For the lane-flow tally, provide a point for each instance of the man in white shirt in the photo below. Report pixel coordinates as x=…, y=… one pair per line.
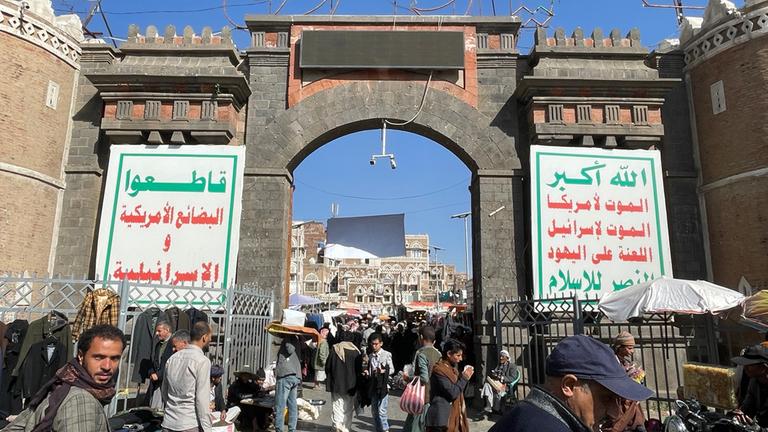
x=187, y=385
x=380, y=367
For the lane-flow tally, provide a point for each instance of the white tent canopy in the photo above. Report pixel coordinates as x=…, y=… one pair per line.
x=668, y=295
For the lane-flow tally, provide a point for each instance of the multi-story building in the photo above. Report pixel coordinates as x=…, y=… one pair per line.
x=373, y=284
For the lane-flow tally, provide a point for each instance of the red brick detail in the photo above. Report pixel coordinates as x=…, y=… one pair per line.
x=494, y=41
x=468, y=93
x=137, y=111
x=166, y=111
x=110, y=110
x=625, y=115
x=597, y=114
x=654, y=115
x=569, y=114
x=270, y=40
x=194, y=111
x=539, y=115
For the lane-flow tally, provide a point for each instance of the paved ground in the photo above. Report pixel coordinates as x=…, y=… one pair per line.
x=365, y=421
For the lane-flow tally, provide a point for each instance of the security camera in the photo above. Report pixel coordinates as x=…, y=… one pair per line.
x=372, y=162
x=392, y=163
x=25, y=5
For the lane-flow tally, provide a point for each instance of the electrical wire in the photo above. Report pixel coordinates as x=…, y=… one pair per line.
x=228, y=18
x=369, y=198
x=279, y=8
x=106, y=24
x=432, y=9
x=146, y=12
x=319, y=5
x=463, y=203
x=421, y=106
x=469, y=7
x=333, y=10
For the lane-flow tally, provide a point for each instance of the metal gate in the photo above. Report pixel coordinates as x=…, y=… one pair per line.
x=238, y=318
x=529, y=330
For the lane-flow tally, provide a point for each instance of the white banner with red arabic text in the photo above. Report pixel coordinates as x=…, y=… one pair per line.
x=598, y=218
x=171, y=216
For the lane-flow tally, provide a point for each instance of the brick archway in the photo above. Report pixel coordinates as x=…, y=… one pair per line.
x=278, y=148
x=356, y=106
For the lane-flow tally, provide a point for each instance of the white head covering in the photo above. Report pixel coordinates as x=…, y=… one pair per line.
x=505, y=353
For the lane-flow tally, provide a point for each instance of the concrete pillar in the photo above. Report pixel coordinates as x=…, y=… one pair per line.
x=264, y=233
x=498, y=238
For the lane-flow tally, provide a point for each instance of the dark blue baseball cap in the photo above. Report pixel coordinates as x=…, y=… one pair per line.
x=590, y=359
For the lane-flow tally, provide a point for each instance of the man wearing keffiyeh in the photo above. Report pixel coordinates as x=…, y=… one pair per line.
x=74, y=399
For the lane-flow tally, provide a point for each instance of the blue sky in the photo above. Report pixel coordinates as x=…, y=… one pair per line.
x=429, y=184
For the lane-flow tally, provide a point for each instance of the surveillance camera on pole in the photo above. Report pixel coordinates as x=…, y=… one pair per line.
x=384, y=154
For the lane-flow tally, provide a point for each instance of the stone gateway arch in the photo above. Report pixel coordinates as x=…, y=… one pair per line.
x=486, y=104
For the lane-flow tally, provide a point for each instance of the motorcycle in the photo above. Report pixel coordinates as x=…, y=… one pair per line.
x=692, y=416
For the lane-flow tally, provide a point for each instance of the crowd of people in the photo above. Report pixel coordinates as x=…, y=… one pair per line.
x=360, y=360
x=588, y=385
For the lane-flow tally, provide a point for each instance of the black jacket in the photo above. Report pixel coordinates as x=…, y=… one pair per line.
x=178, y=319
x=539, y=412
x=10, y=390
x=38, y=368
x=195, y=316
x=342, y=375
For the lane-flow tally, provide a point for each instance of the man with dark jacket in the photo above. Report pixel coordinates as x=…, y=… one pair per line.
x=288, y=376
x=344, y=365
x=161, y=352
x=584, y=382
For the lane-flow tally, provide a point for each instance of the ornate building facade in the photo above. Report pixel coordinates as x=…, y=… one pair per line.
x=379, y=285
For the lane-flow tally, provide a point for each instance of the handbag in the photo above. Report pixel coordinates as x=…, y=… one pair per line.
x=412, y=400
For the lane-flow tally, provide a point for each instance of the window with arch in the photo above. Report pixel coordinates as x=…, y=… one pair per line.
x=311, y=283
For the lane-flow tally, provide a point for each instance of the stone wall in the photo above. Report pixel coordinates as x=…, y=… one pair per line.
x=85, y=168
x=39, y=75
x=728, y=56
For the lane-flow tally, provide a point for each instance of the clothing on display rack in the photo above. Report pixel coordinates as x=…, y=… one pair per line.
x=43, y=360
x=100, y=306
x=195, y=316
x=54, y=324
x=178, y=319
x=142, y=341
x=10, y=392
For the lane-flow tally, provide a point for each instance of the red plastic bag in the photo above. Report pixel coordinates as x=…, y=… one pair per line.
x=412, y=400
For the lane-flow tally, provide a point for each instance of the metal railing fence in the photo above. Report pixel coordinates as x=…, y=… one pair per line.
x=238, y=318
x=529, y=330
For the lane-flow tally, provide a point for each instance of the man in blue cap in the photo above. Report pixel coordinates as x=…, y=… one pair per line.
x=584, y=382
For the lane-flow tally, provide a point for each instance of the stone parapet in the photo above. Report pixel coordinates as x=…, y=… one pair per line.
x=16, y=20
x=723, y=27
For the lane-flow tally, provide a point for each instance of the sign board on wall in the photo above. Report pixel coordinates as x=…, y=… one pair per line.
x=598, y=219
x=171, y=216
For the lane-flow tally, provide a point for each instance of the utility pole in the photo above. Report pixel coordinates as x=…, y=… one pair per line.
x=465, y=216
x=429, y=272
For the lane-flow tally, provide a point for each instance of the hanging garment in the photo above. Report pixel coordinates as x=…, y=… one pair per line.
x=195, y=316
x=42, y=362
x=100, y=306
x=142, y=340
x=10, y=391
x=54, y=324
x=178, y=319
